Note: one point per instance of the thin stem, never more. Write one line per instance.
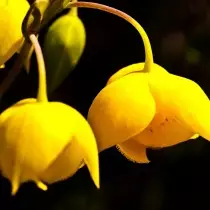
(42, 89)
(128, 18)
(74, 10)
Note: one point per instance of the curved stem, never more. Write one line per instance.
(128, 18)
(42, 88)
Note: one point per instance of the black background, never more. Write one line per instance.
(177, 178)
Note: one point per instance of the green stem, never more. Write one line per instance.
(42, 88)
(132, 21)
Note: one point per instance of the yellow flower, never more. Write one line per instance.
(137, 110)
(12, 13)
(143, 106)
(45, 141)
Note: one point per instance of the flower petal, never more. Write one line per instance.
(86, 140)
(11, 37)
(133, 151)
(65, 165)
(164, 130)
(184, 100)
(82, 147)
(135, 68)
(121, 110)
(32, 136)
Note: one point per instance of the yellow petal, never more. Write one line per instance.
(85, 138)
(133, 151)
(11, 38)
(184, 100)
(83, 147)
(65, 165)
(34, 135)
(121, 110)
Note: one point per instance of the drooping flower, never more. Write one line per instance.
(144, 106)
(45, 141)
(12, 14)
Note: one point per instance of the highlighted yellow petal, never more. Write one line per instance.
(121, 110)
(82, 146)
(133, 151)
(183, 99)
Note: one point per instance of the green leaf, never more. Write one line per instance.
(63, 46)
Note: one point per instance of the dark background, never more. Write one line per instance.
(178, 178)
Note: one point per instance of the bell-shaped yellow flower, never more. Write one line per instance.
(45, 141)
(12, 13)
(143, 106)
(140, 110)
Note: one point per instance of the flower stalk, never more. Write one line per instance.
(129, 19)
(42, 88)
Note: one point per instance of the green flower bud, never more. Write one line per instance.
(63, 46)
